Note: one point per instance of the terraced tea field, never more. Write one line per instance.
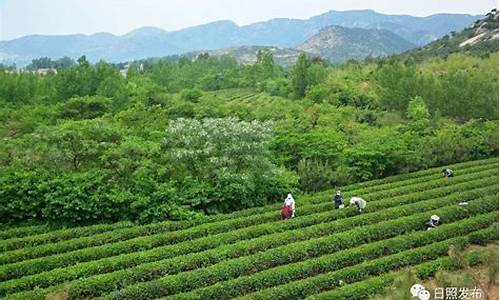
(251, 254)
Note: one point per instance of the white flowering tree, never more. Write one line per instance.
(229, 160)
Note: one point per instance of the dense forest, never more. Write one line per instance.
(180, 138)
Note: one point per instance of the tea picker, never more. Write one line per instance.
(360, 203)
(447, 173)
(433, 222)
(337, 200)
(288, 209)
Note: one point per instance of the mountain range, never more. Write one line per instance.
(334, 43)
(479, 39)
(281, 33)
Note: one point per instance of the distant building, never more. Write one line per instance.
(124, 71)
(46, 71)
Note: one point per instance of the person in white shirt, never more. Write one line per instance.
(433, 223)
(360, 203)
(447, 172)
(290, 202)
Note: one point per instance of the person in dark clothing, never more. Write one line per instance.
(447, 172)
(433, 223)
(337, 200)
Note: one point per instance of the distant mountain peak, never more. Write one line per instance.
(102, 35)
(371, 11)
(146, 30)
(339, 44)
(215, 24)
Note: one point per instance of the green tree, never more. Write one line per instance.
(21, 195)
(64, 62)
(315, 175)
(18, 89)
(191, 95)
(306, 73)
(88, 107)
(419, 116)
(231, 157)
(299, 75)
(83, 198)
(73, 145)
(266, 67)
(396, 82)
(83, 62)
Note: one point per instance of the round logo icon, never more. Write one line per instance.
(415, 289)
(424, 295)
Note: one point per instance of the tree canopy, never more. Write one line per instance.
(175, 139)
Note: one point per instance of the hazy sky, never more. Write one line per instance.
(23, 17)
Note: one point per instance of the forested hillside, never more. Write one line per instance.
(479, 39)
(176, 140)
(248, 54)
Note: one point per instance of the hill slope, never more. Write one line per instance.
(339, 44)
(481, 38)
(417, 30)
(148, 42)
(334, 43)
(248, 54)
(282, 33)
(252, 254)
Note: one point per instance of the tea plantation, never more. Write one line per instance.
(251, 254)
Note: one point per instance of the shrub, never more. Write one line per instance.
(315, 175)
(191, 95)
(84, 198)
(21, 194)
(87, 107)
